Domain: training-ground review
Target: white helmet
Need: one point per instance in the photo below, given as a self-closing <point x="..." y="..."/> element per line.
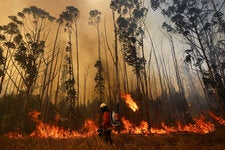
<point x="103" y="105"/>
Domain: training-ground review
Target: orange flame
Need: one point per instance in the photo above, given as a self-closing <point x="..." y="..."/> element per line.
<point x="132" y="129"/>
<point x="44" y="130"/>
<point x="200" y="126"/>
<point x="218" y="119"/>
<point x="129" y="101"/>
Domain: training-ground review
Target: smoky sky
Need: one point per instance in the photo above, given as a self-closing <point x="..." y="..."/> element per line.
<point x="87" y="35"/>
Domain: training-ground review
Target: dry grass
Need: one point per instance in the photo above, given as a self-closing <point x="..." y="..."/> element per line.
<point x="181" y="141"/>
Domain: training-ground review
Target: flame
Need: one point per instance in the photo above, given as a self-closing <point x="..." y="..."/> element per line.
<point x="44" y="130"/>
<point x="129" y="101"/>
<point x="218" y="119"/>
<point x="132" y="129"/>
<point x="89" y="128"/>
<point x="200" y="126"/>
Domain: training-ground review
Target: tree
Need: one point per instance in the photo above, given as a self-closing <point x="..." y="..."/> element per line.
<point x="7" y="33"/>
<point x="203" y="29"/>
<point x="33" y="25"/>
<point x="117" y="75"/>
<point x="94" y="20"/>
<point x="72" y="16"/>
<point x="130" y="32"/>
<point x="67" y="17"/>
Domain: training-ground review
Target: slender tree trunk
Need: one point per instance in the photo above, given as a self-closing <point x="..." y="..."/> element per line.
<point x="194" y="91"/>
<point x="157" y="64"/>
<point x="145" y="84"/>
<point x="52" y="61"/>
<point x="78" y="65"/>
<point x="58" y="82"/>
<point x="211" y="75"/>
<point x="5" y="67"/>
<point x="54" y="74"/>
<point x="149" y="74"/>
<point x="117" y="78"/>
<point x="7" y="85"/>
<point x="187" y="116"/>
<point x="99" y="59"/>
<point x="116" y="62"/>
<point x="210" y="106"/>
<point x="85" y="86"/>
<point x="14" y="82"/>
<point x="126" y="83"/>
<point x="71" y="78"/>
<point x="43" y="100"/>
<point x="168" y="81"/>
<point x="107" y="63"/>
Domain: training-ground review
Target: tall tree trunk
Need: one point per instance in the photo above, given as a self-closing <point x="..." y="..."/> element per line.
<point x="126" y="83"/>
<point x="5" y="67"/>
<point x="85" y="86"/>
<point x="78" y="65"/>
<point x="107" y="64"/>
<point x="211" y="74"/>
<point x="116" y="62"/>
<point x="58" y="82"/>
<point x="44" y="86"/>
<point x="156" y="59"/>
<point x="99" y="59"/>
<point x="50" y="76"/>
<point x="145" y="86"/>
<point x="117" y="78"/>
<point x="187" y="116"/>
<point x="149" y="74"/>
<point x="194" y="91"/>
<point x="54" y="74"/>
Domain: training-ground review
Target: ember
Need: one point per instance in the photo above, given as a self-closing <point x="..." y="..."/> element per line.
<point x="14" y="135"/>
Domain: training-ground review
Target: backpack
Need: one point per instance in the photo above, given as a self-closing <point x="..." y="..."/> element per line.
<point x="114" y="118"/>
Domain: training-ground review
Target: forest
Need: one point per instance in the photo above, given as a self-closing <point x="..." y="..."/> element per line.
<point x="178" y="78"/>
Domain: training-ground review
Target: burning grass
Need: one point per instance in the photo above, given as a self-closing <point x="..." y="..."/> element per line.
<point x="89" y="128"/>
<point x="201" y="135"/>
<point x="185" y="141"/>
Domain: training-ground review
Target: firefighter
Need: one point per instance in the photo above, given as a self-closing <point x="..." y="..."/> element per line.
<point x="106" y="124"/>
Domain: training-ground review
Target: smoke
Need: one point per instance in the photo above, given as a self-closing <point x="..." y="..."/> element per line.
<point x="87" y="35"/>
